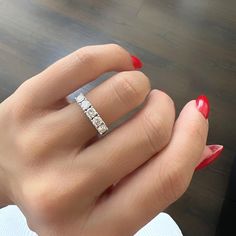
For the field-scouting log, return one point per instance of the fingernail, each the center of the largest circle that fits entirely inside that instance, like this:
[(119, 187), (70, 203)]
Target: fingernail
[(216, 151), (203, 105), (137, 63)]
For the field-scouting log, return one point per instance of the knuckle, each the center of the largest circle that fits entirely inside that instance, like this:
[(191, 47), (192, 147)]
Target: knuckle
[(22, 100), (21, 112), (164, 98), (26, 147), (168, 100), (128, 90), (26, 85), (87, 54), (178, 184), (115, 47), (32, 144), (84, 56), (40, 202), (143, 81), (175, 182), (168, 105), (45, 206), (126, 84), (157, 130)]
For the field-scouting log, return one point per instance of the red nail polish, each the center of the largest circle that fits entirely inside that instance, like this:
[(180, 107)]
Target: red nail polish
[(137, 63), (216, 151), (203, 105)]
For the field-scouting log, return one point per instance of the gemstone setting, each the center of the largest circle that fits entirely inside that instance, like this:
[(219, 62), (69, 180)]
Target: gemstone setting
[(97, 121), (91, 113), (102, 129), (85, 105)]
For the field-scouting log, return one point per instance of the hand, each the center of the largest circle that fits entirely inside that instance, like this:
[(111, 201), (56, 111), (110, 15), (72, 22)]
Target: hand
[(68, 183)]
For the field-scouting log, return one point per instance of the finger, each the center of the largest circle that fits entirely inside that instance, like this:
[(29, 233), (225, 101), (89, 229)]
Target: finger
[(73, 71), (132, 144), (112, 99), (165, 177)]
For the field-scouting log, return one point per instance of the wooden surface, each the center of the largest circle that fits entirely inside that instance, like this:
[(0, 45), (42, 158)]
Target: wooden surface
[(188, 48)]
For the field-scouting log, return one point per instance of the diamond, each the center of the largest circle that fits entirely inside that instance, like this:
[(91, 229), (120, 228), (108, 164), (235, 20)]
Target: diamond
[(80, 98), (85, 105), (97, 121), (102, 129), (91, 112)]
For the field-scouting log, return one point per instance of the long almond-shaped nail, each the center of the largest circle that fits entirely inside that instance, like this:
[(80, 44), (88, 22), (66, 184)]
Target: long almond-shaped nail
[(216, 151), (137, 63), (203, 105)]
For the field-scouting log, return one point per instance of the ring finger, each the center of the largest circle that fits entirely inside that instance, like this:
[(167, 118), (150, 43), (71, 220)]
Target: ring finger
[(112, 99)]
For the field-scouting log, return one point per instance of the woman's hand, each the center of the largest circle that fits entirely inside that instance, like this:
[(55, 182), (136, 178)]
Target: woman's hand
[(60, 176)]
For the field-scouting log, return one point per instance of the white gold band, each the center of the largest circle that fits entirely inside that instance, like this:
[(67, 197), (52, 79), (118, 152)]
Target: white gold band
[(92, 114)]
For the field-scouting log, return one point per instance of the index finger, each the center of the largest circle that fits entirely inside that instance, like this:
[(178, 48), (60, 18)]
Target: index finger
[(73, 71)]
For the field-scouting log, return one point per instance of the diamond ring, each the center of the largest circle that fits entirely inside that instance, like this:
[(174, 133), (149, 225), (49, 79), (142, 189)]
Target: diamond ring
[(92, 114)]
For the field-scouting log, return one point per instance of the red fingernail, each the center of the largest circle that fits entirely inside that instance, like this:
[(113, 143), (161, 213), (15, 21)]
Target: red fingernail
[(203, 105), (216, 151), (137, 63)]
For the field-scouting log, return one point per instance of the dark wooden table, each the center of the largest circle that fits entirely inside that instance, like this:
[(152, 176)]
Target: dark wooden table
[(188, 48)]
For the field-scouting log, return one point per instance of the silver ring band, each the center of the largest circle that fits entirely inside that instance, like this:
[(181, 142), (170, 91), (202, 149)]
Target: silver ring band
[(92, 114)]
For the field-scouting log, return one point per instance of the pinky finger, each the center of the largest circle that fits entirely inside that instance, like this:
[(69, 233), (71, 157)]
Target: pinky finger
[(210, 154)]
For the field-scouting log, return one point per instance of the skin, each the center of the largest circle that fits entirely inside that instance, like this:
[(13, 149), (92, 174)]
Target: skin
[(68, 183)]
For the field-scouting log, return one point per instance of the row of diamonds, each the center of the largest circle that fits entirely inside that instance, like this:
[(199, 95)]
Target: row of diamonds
[(97, 121), (91, 113), (99, 124)]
